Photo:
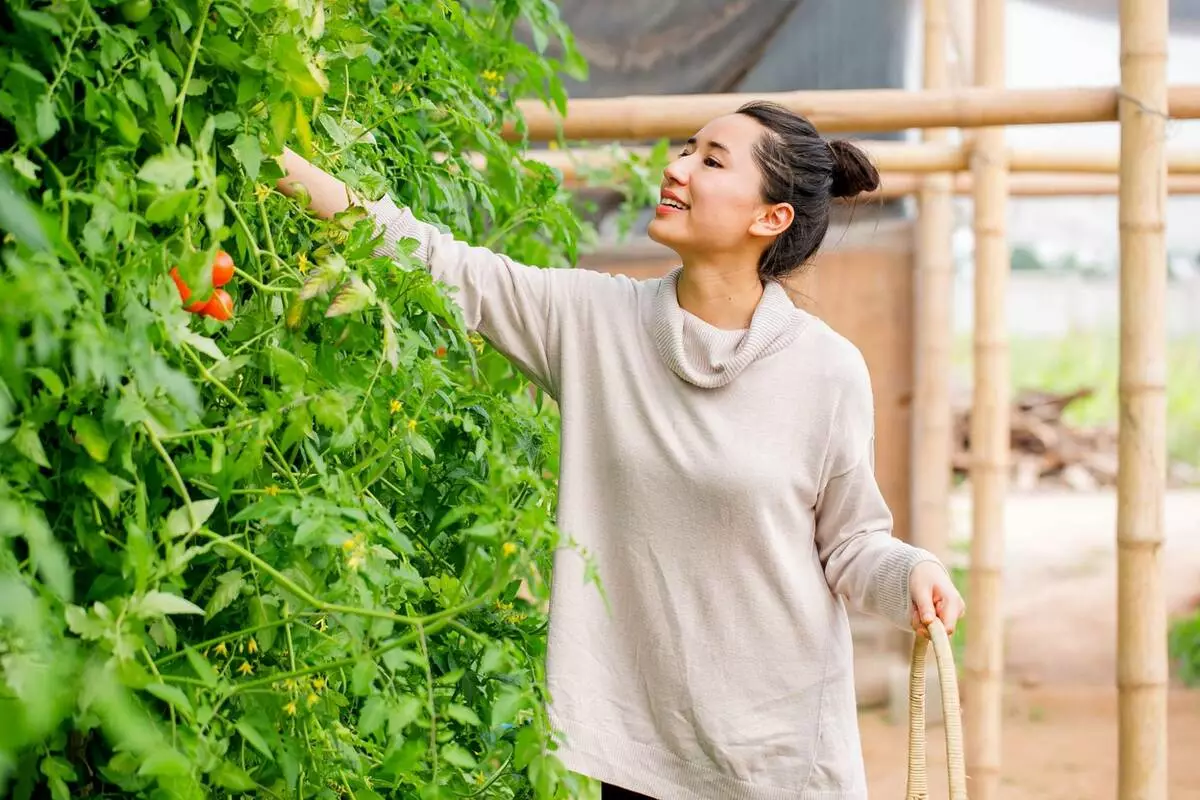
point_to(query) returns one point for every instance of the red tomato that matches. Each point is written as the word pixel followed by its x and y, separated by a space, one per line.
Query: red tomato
pixel 222 269
pixel 185 292
pixel 219 306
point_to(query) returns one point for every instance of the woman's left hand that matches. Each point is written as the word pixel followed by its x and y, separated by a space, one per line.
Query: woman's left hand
pixel 934 594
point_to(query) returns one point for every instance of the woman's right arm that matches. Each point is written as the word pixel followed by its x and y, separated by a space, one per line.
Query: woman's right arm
pixel 519 309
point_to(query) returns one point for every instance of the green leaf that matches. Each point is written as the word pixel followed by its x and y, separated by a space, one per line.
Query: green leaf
pixel 204 670
pixel 181 522
pixel 459 756
pixel 323 277
pixel 156 604
pixel 165 763
pixel 47 118
pixel 169 206
pixel 43 21
pixel 172 696
pixel 373 716
pixel 29 445
pixel 90 435
pixel 251 735
pixel 229 586
pixel 363 677
pixel 504 709
pixel 106 486
pixel 355 295
pixel 463 714
pixel 261 613
pixel 18 217
pixel 405 711
pixel 83 624
pixel 249 154
pixel 170 170
pixel 204 344
pixel 233 777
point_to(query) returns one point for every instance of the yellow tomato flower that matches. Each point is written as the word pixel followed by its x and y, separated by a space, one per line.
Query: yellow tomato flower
pixel 246 669
pixel 318 683
pixel 290 708
pixel 222 650
pixel 312 699
pixel 394 406
pixel 252 646
pixel 271 491
pixel 509 548
pixel 412 424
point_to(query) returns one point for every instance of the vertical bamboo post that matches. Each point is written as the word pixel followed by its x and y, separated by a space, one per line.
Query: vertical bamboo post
pixel 932 414
pixel 1141 617
pixel 989 423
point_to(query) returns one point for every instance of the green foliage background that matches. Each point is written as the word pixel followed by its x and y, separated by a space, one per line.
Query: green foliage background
pixel 279 555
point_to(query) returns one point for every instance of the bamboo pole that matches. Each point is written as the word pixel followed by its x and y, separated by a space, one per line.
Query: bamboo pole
pixel 932 420
pixel 862 110
pixel 1029 184
pixel 983 685
pixel 1141 618
pixel 923 157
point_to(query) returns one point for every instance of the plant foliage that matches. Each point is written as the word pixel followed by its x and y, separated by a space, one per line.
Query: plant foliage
pixel 279 555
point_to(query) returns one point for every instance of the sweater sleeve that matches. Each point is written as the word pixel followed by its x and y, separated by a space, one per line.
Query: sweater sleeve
pixel 863 561
pixel 518 308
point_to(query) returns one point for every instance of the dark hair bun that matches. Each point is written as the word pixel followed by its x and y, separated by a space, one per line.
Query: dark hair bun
pixel 853 172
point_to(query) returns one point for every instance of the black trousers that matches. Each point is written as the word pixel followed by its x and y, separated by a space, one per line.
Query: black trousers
pixel 610 792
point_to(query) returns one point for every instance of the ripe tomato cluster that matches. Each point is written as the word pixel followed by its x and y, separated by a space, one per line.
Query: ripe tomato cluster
pixel 220 305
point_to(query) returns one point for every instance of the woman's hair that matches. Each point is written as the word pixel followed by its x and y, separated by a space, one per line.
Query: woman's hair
pixel 803 169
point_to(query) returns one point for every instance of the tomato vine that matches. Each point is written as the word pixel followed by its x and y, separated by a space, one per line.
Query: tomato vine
pixel 300 551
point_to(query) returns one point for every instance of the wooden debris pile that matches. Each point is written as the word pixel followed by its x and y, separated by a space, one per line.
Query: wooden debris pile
pixel 1046 451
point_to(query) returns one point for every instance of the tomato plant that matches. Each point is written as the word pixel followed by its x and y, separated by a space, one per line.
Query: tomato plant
pixel 280 554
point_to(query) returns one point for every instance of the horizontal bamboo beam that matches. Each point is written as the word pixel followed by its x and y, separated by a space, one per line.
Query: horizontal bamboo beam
pixel 910 157
pixel 1032 184
pixel 859 110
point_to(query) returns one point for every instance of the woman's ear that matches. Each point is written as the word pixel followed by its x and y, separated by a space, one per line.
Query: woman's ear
pixel 773 220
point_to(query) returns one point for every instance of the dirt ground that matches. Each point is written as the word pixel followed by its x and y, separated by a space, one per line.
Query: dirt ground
pixel 1060 737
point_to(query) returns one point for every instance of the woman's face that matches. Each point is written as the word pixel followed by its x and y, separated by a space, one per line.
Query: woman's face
pixel 711 202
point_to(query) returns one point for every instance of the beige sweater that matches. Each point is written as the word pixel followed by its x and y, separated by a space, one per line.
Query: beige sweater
pixel 723 482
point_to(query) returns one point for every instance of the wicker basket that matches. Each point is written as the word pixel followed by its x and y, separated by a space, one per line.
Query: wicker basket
pixel 918 776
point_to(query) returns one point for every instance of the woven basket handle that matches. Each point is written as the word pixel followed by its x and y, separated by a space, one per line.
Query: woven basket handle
pixel 918 777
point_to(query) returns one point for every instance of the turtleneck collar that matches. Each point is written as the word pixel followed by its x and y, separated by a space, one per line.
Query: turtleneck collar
pixel 710 357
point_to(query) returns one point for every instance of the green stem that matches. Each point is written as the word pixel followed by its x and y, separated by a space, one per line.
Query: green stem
pixel 66 60
pixel 250 237
pixel 208 376
pixel 191 66
pixel 337 608
pixel 193 521
pixel 263 287
pixel 283 467
pixel 342 663
pixel 184 679
pixel 251 341
pixel 229 637
pixel 154 669
pixel 266 223
pixel 166 437
pixel 432 709
pixel 495 777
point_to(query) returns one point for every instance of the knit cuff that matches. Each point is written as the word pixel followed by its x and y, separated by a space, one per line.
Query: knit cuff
pixel 396 224
pixel 892 596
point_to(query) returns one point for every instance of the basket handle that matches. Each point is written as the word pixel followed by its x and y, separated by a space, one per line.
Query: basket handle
pixel 918 780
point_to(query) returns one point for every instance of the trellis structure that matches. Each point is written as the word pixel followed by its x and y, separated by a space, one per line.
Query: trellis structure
pixel 983 166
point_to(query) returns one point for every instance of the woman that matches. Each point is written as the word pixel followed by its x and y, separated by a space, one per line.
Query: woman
pixel 717 463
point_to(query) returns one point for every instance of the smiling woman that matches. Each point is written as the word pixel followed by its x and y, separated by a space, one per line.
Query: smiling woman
pixel 716 463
